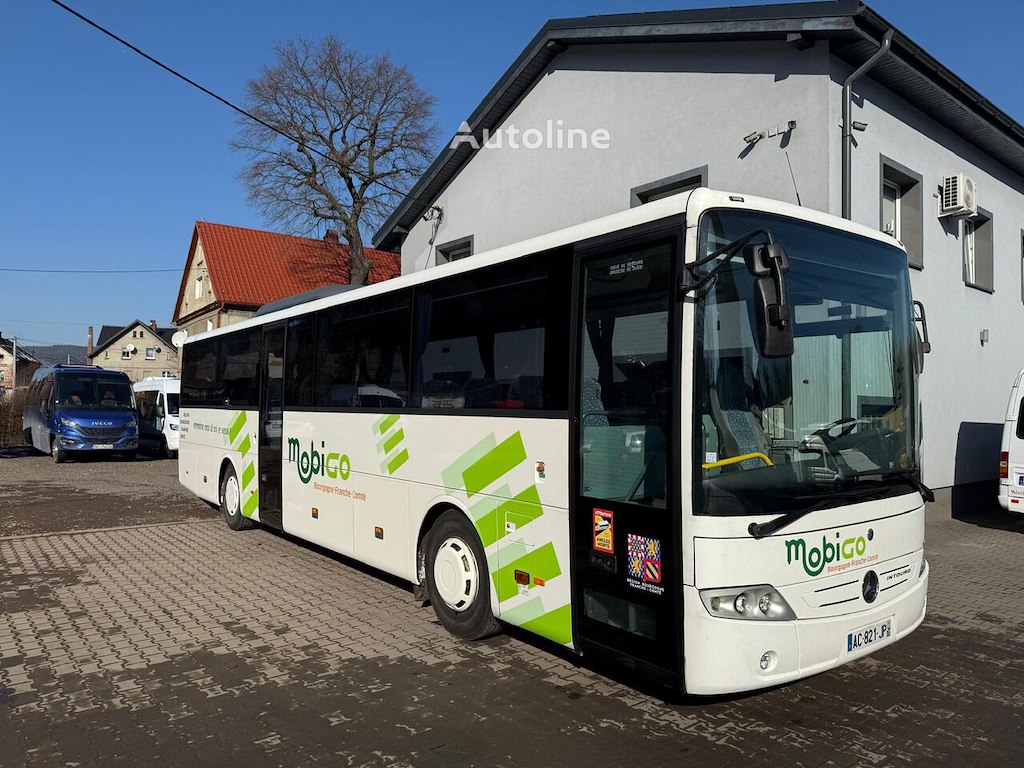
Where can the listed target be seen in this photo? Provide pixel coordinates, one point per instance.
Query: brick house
(139, 349)
(231, 272)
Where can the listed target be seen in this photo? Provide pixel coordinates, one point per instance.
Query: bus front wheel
(58, 453)
(457, 579)
(231, 501)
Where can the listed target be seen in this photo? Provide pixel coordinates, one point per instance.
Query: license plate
(103, 446)
(869, 635)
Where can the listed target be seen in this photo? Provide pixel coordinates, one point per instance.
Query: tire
(458, 583)
(166, 452)
(58, 453)
(231, 502)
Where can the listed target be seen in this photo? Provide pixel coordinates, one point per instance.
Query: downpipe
(883, 49)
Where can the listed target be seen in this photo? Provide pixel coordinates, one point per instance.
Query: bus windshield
(87, 390)
(837, 421)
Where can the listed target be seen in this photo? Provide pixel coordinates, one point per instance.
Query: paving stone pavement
(183, 643)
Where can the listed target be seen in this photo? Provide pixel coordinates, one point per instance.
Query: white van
(1011, 451)
(157, 400)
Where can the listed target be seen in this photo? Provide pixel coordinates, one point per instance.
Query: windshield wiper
(767, 528)
(911, 476)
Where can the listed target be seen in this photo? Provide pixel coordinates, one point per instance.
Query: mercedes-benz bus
(683, 438)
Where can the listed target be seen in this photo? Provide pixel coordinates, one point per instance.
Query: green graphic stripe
(397, 461)
(245, 445)
(250, 505)
(540, 563)
(526, 504)
(248, 474)
(501, 460)
(452, 477)
(394, 440)
(554, 625)
(236, 427)
(524, 612)
(386, 423)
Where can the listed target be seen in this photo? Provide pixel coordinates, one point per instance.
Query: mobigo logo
(314, 462)
(815, 559)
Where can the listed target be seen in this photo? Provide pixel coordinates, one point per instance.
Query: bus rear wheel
(231, 501)
(457, 581)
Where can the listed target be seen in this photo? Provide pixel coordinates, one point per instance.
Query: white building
(751, 100)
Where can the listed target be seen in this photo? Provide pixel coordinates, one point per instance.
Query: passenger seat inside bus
(730, 400)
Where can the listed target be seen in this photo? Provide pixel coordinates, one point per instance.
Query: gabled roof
(251, 267)
(853, 29)
(111, 333)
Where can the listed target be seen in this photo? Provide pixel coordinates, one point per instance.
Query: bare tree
(360, 131)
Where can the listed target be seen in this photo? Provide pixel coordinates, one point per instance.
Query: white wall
(965, 386)
(672, 107)
(667, 108)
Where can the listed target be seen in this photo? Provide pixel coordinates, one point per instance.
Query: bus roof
(674, 205)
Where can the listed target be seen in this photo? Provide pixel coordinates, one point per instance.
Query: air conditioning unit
(959, 196)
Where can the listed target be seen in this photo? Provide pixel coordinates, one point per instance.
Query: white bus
(683, 438)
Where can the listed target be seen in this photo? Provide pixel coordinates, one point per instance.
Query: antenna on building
(793, 177)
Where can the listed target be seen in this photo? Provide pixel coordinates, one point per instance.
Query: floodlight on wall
(753, 138)
(857, 125)
(983, 336)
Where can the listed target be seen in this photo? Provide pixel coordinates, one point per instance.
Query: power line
(42, 322)
(88, 271)
(190, 81)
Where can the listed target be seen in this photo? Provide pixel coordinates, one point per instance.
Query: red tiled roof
(250, 267)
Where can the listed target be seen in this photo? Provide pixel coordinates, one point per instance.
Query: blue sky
(107, 161)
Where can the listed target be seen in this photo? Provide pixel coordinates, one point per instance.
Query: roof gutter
(863, 69)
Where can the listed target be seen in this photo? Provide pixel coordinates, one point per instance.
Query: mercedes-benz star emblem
(869, 589)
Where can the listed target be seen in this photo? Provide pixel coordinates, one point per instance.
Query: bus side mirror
(769, 263)
(921, 332)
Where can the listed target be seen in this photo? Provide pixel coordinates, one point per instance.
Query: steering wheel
(849, 424)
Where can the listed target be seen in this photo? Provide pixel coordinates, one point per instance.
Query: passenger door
(271, 423)
(625, 516)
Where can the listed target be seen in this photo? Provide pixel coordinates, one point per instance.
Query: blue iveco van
(81, 408)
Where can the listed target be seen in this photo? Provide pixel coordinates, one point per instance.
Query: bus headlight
(761, 603)
(131, 424)
(68, 423)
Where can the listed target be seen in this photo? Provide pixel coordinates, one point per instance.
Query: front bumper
(73, 442)
(803, 647)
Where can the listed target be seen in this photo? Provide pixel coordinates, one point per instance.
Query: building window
(670, 185)
(978, 252)
(891, 209)
(199, 287)
(106, 355)
(151, 353)
(209, 325)
(454, 250)
(902, 209)
(125, 354)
